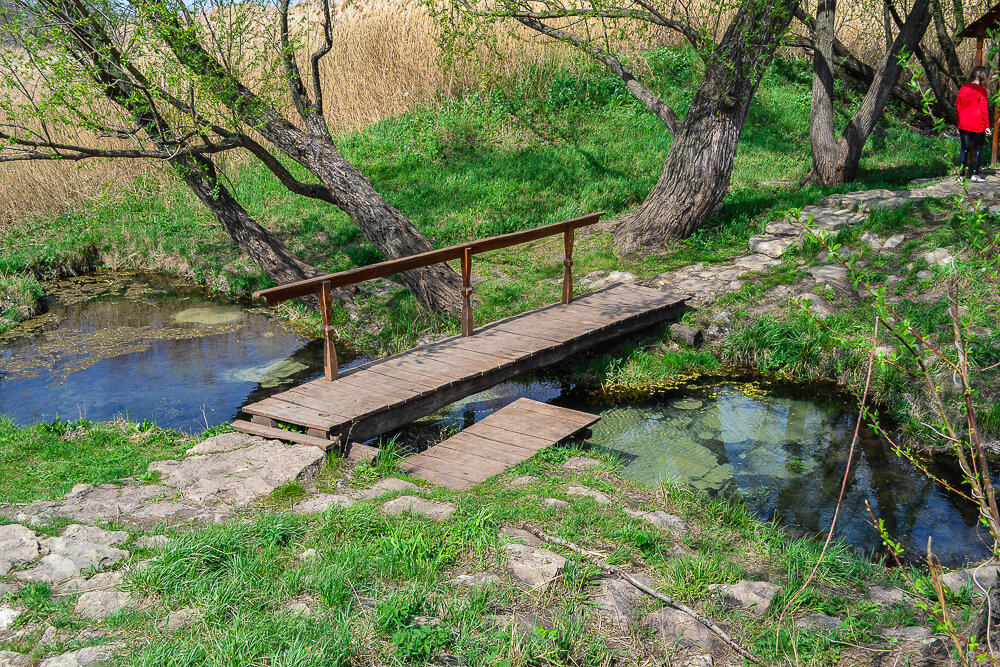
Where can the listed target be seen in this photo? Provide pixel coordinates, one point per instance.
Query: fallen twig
(708, 623)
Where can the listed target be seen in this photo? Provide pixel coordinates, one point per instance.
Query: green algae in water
(209, 317)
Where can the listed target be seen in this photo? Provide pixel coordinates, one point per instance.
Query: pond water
(147, 345)
(782, 447)
(153, 347)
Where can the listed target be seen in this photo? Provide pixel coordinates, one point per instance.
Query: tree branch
(318, 56)
(311, 190)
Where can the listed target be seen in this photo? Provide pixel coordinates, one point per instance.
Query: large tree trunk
(266, 251)
(696, 174)
(836, 162)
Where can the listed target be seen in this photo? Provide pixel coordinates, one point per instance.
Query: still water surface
(153, 347)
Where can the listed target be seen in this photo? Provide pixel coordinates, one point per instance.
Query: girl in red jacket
(973, 120)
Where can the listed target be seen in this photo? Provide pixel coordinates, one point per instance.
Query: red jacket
(972, 107)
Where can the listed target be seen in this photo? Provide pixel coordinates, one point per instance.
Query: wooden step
(281, 434)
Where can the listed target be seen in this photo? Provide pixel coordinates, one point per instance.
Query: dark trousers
(973, 141)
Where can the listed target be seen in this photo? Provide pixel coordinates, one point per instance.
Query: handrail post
(568, 266)
(467, 291)
(329, 348)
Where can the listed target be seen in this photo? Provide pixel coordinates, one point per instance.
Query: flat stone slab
(753, 595)
(981, 578)
(145, 506)
(616, 600)
(151, 542)
(181, 618)
(18, 544)
(51, 570)
(772, 246)
(829, 273)
(519, 535)
(585, 491)
(477, 580)
(555, 503)
(225, 442)
(7, 617)
(238, 477)
(98, 605)
(533, 566)
(522, 480)
(887, 594)
(384, 486)
(818, 622)
(414, 505)
(84, 554)
(784, 228)
(662, 520)
(94, 535)
(82, 658)
(321, 503)
(98, 582)
(580, 463)
(673, 627)
(12, 659)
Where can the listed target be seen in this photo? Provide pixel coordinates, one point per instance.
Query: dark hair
(979, 74)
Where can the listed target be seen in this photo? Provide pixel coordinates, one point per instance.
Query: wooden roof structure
(979, 27)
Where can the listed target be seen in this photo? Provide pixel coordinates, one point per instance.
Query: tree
(836, 161)
(736, 43)
(174, 76)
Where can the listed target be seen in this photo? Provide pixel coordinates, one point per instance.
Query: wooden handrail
(322, 285)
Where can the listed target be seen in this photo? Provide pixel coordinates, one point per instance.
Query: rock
(7, 617)
(533, 566)
(181, 618)
(518, 535)
(522, 480)
(238, 477)
(98, 605)
(886, 594)
(615, 601)
(50, 570)
(308, 554)
(359, 454)
(981, 577)
(687, 404)
(872, 240)
(100, 581)
(828, 273)
(681, 551)
(477, 580)
(555, 503)
(384, 486)
(300, 609)
(939, 256)
(321, 503)
(433, 510)
(599, 497)
(910, 634)
(772, 246)
(225, 442)
(94, 535)
(597, 280)
(5, 588)
(84, 554)
(755, 262)
(893, 242)
(151, 542)
(700, 660)
(817, 305)
(753, 595)
(145, 506)
(925, 275)
(818, 622)
(18, 544)
(48, 636)
(524, 623)
(82, 658)
(11, 659)
(784, 228)
(664, 521)
(692, 336)
(581, 463)
(673, 626)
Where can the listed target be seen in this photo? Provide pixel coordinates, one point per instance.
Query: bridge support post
(467, 291)
(329, 349)
(568, 266)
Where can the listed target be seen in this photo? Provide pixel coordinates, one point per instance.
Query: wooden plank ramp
(501, 440)
(377, 397)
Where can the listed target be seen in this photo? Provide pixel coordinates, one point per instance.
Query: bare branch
(27, 151)
(318, 56)
(312, 190)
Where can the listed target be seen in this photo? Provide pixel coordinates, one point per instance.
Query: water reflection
(147, 345)
(783, 453)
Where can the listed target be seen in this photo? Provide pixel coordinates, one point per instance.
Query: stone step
(281, 434)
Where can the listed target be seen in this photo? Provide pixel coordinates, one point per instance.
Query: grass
(559, 141)
(377, 589)
(45, 461)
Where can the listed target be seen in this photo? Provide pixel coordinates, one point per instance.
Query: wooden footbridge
(382, 395)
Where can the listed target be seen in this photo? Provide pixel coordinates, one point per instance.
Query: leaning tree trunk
(698, 168)
(694, 179)
(826, 153)
(266, 251)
